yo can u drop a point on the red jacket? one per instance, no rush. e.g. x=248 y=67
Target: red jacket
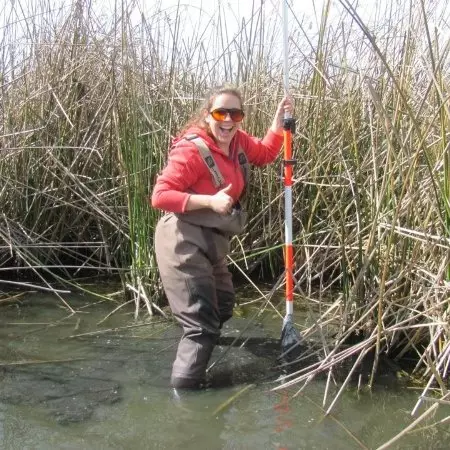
x=186 y=171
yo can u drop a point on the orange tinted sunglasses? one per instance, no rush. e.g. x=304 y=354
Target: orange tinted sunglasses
x=220 y=114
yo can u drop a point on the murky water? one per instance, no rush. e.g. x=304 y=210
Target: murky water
x=68 y=382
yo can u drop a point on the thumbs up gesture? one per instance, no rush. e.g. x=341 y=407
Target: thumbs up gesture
x=221 y=202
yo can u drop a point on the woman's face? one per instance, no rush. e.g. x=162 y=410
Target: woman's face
x=224 y=129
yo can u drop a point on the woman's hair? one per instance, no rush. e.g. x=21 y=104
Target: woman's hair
x=198 y=119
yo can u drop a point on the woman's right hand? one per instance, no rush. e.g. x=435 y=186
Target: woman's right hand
x=285 y=106
x=221 y=202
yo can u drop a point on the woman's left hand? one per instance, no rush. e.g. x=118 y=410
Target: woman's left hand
x=285 y=105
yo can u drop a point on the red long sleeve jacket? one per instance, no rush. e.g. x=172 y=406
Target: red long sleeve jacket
x=187 y=173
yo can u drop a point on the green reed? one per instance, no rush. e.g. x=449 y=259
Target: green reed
x=89 y=107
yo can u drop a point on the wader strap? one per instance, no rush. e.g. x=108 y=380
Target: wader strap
x=245 y=166
x=207 y=157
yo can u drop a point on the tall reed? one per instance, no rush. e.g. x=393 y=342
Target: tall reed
x=89 y=106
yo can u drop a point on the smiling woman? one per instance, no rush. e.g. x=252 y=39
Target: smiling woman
x=224 y=119
x=199 y=189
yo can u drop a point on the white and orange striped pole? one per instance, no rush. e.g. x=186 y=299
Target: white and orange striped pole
x=289 y=336
x=289 y=125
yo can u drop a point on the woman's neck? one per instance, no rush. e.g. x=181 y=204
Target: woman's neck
x=225 y=148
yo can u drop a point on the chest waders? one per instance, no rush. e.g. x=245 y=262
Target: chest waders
x=191 y=252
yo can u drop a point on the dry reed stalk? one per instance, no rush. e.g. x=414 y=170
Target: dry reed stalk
x=114 y=311
x=37 y=362
x=432 y=409
x=223 y=406
x=86 y=119
x=338 y=422
x=108 y=330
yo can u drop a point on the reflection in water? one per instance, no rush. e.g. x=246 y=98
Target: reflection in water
x=109 y=390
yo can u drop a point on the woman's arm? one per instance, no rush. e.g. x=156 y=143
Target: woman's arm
x=263 y=151
x=170 y=192
x=220 y=202
x=183 y=169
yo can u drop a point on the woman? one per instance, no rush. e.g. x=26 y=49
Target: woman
x=200 y=189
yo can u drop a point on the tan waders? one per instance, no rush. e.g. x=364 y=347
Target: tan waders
x=191 y=251
x=193 y=269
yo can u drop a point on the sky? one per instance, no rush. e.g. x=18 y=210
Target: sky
x=309 y=10
x=194 y=10
x=202 y=15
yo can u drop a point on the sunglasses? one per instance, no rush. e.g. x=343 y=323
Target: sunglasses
x=220 y=114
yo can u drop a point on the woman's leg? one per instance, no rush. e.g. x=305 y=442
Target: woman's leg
x=224 y=290
x=189 y=284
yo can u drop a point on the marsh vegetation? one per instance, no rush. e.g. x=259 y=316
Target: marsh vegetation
x=89 y=104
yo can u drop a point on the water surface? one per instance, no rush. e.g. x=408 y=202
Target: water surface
x=68 y=382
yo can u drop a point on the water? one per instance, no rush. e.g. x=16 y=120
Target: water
x=109 y=390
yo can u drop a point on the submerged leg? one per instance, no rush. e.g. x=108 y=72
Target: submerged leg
x=187 y=276
x=199 y=316
x=224 y=289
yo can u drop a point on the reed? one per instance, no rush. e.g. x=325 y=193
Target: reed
x=89 y=105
